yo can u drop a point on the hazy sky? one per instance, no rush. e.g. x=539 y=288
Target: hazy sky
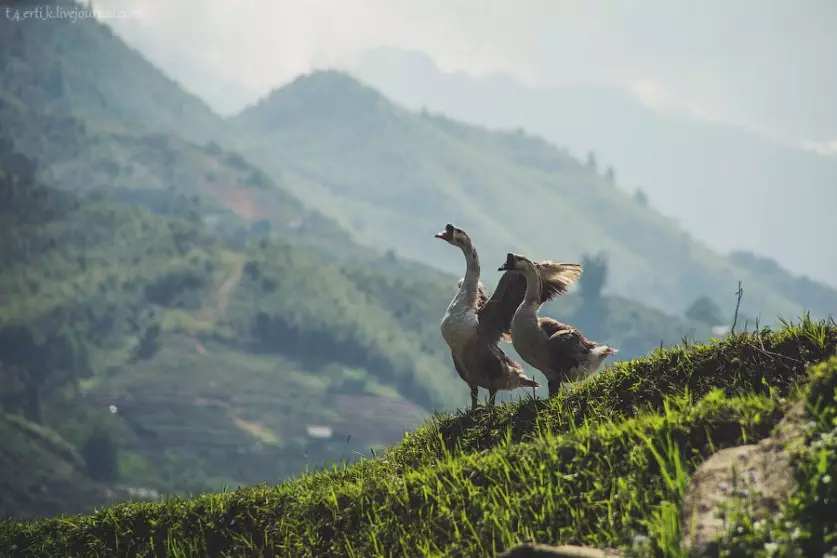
x=765 y=64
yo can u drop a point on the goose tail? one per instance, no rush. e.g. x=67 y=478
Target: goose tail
x=604 y=351
x=528 y=382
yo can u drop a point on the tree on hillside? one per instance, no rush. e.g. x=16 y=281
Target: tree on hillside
x=593 y=279
x=149 y=343
x=20 y=351
x=705 y=310
x=591 y=161
x=41 y=363
x=610 y=174
x=70 y=352
x=640 y=197
x=100 y=454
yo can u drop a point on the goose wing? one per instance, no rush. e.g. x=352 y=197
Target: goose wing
x=487 y=362
x=567 y=345
x=496 y=313
x=556 y=278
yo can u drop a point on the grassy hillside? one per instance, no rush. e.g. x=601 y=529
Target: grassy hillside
x=605 y=465
x=394 y=177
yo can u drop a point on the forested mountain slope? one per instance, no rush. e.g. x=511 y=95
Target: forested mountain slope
x=392 y=176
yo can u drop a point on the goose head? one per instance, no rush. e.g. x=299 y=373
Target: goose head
x=516 y=262
x=454 y=236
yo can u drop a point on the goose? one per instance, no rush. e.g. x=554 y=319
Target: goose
x=561 y=352
x=474 y=323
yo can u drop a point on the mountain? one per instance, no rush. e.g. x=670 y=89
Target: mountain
x=394 y=177
x=726 y=186
x=128 y=146
x=131 y=130
x=81 y=69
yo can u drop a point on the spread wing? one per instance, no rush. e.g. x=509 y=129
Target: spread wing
x=496 y=314
x=555 y=278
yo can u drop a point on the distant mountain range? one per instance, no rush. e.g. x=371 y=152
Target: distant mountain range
x=394 y=176
x=727 y=186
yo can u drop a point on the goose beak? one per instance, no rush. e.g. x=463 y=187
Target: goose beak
x=443 y=235
x=508 y=265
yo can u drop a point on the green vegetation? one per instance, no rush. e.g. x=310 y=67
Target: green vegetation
x=806 y=523
x=109 y=303
x=41 y=474
x=48 y=64
x=601 y=466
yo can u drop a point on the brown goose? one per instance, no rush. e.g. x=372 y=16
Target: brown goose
x=474 y=323
x=559 y=351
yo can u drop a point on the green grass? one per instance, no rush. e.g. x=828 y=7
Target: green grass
x=604 y=465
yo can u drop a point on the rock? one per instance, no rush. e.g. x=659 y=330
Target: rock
x=759 y=474
x=566 y=551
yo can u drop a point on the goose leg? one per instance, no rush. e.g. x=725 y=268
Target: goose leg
x=554 y=387
x=491 y=395
x=474 y=397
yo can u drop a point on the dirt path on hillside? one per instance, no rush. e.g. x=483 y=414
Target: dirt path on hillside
x=216 y=304
x=224 y=292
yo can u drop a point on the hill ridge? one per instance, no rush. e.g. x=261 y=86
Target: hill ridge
x=722 y=170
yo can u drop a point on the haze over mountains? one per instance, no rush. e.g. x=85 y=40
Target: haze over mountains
x=389 y=175
x=726 y=185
